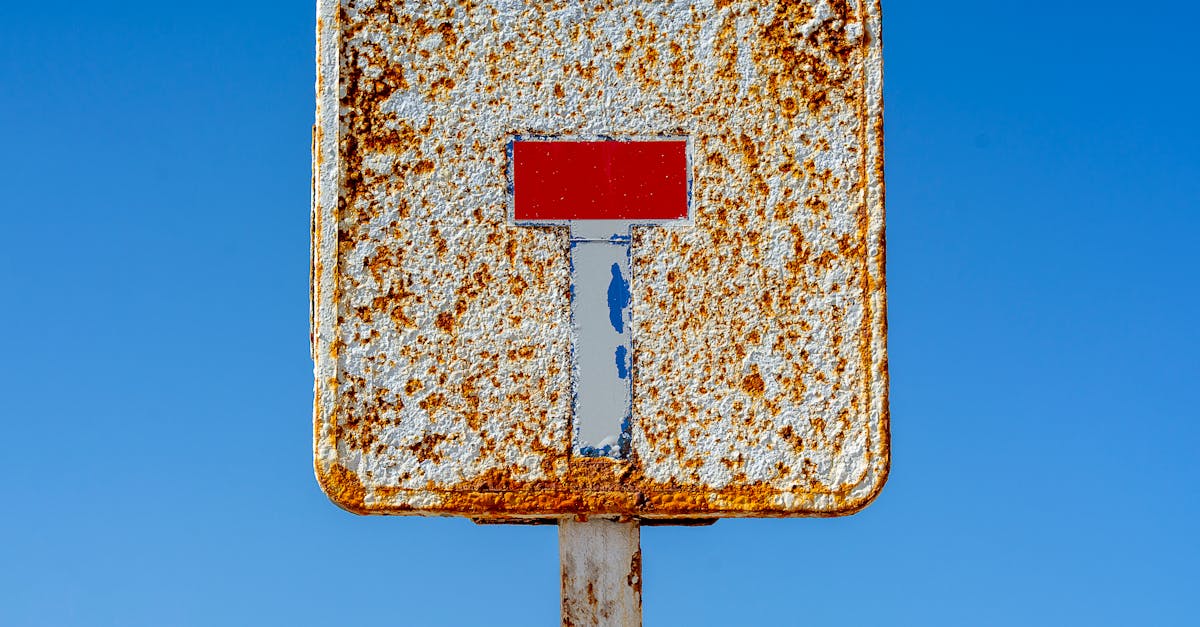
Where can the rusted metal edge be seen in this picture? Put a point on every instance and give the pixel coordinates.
(876, 247)
(326, 178)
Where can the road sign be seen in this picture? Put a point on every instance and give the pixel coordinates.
(602, 259)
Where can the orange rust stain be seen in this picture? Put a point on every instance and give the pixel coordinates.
(343, 487)
(790, 436)
(805, 68)
(634, 578)
(425, 450)
(727, 71)
(610, 487)
(433, 402)
(445, 322)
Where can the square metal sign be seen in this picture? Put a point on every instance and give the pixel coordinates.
(598, 258)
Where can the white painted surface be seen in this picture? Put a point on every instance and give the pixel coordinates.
(603, 354)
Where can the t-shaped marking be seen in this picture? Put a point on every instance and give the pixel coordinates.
(600, 189)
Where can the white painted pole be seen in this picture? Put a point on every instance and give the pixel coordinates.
(601, 573)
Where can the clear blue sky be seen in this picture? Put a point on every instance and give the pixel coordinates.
(1043, 193)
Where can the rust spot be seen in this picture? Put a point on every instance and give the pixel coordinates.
(424, 450)
(441, 88)
(433, 402)
(790, 436)
(343, 487)
(753, 385)
(445, 322)
(422, 167)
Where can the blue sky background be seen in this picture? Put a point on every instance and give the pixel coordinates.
(1043, 187)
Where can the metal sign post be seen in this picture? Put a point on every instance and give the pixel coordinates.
(599, 264)
(601, 564)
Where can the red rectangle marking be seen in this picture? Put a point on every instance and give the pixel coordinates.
(599, 180)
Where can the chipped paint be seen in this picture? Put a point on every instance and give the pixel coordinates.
(618, 298)
(442, 331)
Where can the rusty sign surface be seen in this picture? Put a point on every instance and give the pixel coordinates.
(750, 327)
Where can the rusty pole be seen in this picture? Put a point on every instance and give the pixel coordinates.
(601, 573)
